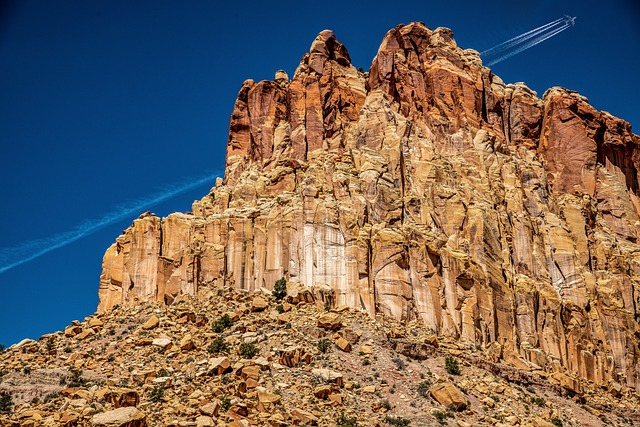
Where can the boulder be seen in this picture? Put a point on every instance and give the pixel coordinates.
(120, 417)
(448, 395)
(151, 323)
(330, 321)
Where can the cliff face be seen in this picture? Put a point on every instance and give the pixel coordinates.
(427, 189)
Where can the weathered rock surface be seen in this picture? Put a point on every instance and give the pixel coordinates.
(428, 190)
(448, 395)
(120, 417)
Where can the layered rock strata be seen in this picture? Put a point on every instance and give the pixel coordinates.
(424, 189)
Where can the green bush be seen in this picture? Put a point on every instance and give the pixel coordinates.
(248, 350)
(280, 289)
(440, 416)
(324, 345)
(51, 396)
(218, 345)
(538, 401)
(76, 379)
(2, 347)
(51, 343)
(397, 421)
(423, 388)
(556, 422)
(156, 394)
(451, 365)
(6, 403)
(222, 323)
(225, 403)
(344, 421)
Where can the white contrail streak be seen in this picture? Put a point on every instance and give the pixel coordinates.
(518, 39)
(525, 41)
(28, 251)
(528, 44)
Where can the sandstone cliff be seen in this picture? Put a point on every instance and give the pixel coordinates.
(424, 189)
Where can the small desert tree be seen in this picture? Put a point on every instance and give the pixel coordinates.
(280, 289)
(6, 403)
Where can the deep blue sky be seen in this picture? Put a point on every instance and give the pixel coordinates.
(104, 102)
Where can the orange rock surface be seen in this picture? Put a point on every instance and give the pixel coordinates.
(424, 189)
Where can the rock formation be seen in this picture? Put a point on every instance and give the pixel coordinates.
(425, 189)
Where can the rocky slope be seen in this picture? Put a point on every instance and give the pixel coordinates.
(425, 190)
(231, 358)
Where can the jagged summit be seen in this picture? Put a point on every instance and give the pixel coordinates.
(426, 190)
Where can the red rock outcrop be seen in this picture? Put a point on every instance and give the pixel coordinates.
(426, 189)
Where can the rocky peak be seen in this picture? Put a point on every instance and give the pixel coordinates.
(433, 192)
(281, 122)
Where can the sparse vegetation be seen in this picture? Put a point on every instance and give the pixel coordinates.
(537, 401)
(76, 379)
(451, 365)
(556, 422)
(26, 370)
(225, 403)
(386, 404)
(68, 349)
(400, 365)
(280, 308)
(222, 323)
(397, 421)
(248, 350)
(2, 347)
(51, 343)
(51, 396)
(440, 416)
(6, 403)
(280, 289)
(324, 345)
(423, 388)
(345, 421)
(218, 345)
(156, 394)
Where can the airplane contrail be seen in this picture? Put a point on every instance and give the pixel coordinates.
(518, 39)
(11, 257)
(527, 40)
